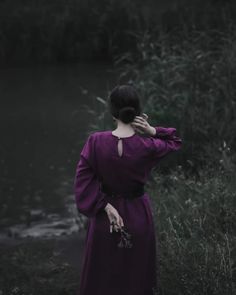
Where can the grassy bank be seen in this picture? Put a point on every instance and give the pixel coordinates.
(34, 267)
(195, 221)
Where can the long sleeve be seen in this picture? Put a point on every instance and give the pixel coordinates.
(164, 142)
(88, 196)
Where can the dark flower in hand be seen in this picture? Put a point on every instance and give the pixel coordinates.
(125, 239)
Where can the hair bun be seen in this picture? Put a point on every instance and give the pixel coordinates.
(127, 114)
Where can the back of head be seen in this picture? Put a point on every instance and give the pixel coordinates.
(124, 103)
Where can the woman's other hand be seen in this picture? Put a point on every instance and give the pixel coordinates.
(114, 218)
(141, 125)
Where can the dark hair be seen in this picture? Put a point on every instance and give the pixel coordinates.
(124, 103)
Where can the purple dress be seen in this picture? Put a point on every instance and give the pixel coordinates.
(108, 269)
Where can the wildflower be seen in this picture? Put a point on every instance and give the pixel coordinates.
(125, 239)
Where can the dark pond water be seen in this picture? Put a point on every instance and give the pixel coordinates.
(43, 124)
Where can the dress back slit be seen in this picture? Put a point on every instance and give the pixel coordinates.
(120, 146)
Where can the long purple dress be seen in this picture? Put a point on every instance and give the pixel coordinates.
(108, 269)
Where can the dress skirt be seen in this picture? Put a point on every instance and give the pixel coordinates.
(108, 269)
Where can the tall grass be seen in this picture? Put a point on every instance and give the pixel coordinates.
(195, 221)
(59, 31)
(188, 81)
(75, 30)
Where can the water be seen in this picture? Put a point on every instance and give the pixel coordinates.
(43, 125)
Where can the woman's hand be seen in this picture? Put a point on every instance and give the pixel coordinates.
(114, 218)
(141, 125)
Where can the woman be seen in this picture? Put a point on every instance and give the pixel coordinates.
(120, 256)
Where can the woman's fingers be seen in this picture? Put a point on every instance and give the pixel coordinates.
(118, 225)
(137, 129)
(121, 223)
(112, 222)
(138, 125)
(145, 116)
(115, 227)
(139, 121)
(116, 222)
(144, 123)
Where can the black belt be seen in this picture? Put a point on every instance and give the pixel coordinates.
(129, 195)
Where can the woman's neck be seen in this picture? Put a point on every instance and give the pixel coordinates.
(123, 129)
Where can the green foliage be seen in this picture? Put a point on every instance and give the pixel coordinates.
(195, 221)
(188, 81)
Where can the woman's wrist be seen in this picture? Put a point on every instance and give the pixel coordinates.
(152, 131)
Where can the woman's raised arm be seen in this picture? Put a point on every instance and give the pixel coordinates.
(164, 141)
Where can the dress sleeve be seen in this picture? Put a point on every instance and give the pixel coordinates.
(164, 142)
(88, 197)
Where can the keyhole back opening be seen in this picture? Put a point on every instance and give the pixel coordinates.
(120, 147)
